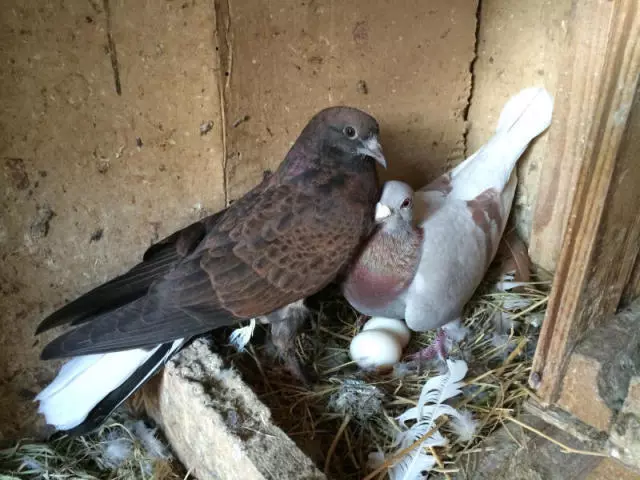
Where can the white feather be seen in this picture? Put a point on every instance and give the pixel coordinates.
(516, 303)
(506, 285)
(84, 381)
(152, 445)
(430, 407)
(464, 426)
(240, 337)
(116, 451)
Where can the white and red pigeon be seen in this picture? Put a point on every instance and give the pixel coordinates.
(432, 247)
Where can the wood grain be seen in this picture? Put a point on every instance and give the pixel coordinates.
(632, 290)
(603, 230)
(578, 90)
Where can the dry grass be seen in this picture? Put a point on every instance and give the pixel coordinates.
(349, 413)
(120, 449)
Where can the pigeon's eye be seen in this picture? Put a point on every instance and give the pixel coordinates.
(350, 132)
(406, 203)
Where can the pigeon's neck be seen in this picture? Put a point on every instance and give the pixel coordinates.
(327, 170)
(394, 249)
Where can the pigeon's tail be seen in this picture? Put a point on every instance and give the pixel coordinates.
(89, 388)
(525, 116)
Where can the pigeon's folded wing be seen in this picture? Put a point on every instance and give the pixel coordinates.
(267, 250)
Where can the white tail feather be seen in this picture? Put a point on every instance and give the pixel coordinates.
(84, 381)
(525, 116)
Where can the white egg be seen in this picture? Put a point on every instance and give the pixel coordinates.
(375, 349)
(397, 327)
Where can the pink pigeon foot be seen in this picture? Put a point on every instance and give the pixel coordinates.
(438, 348)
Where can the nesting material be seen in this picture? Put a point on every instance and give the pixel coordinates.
(349, 413)
(124, 448)
(352, 423)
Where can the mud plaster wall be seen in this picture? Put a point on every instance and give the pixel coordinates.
(405, 61)
(91, 177)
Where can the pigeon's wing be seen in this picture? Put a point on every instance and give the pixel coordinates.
(158, 260)
(266, 251)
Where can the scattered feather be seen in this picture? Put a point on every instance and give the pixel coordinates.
(357, 398)
(375, 459)
(120, 449)
(402, 369)
(506, 285)
(116, 452)
(535, 319)
(240, 337)
(503, 343)
(503, 322)
(455, 330)
(147, 436)
(464, 426)
(430, 407)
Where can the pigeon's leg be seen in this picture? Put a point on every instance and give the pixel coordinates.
(285, 325)
(451, 332)
(436, 349)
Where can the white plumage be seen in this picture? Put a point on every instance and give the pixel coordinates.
(419, 423)
(84, 381)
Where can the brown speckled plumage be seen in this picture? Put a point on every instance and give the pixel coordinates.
(281, 242)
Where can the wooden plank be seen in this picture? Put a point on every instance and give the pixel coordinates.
(577, 91)
(602, 235)
(632, 290)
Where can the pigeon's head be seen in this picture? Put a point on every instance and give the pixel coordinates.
(395, 204)
(349, 132)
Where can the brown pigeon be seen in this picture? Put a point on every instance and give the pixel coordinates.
(281, 242)
(433, 247)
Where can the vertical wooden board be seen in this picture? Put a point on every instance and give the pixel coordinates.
(578, 90)
(520, 45)
(618, 243)
(407, 63)
(603, 234)
(89, 178)
(632, 290)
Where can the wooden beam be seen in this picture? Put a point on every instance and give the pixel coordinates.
(632, 290)
(603, 230)
(578, 90)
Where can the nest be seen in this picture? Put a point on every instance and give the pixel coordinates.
(123, 448)
(348, 414)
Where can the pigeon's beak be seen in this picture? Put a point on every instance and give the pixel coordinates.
(382, 212)
(371, 147)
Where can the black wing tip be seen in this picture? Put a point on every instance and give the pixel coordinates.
(89, 425)
(52, 321)
(110, 403)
